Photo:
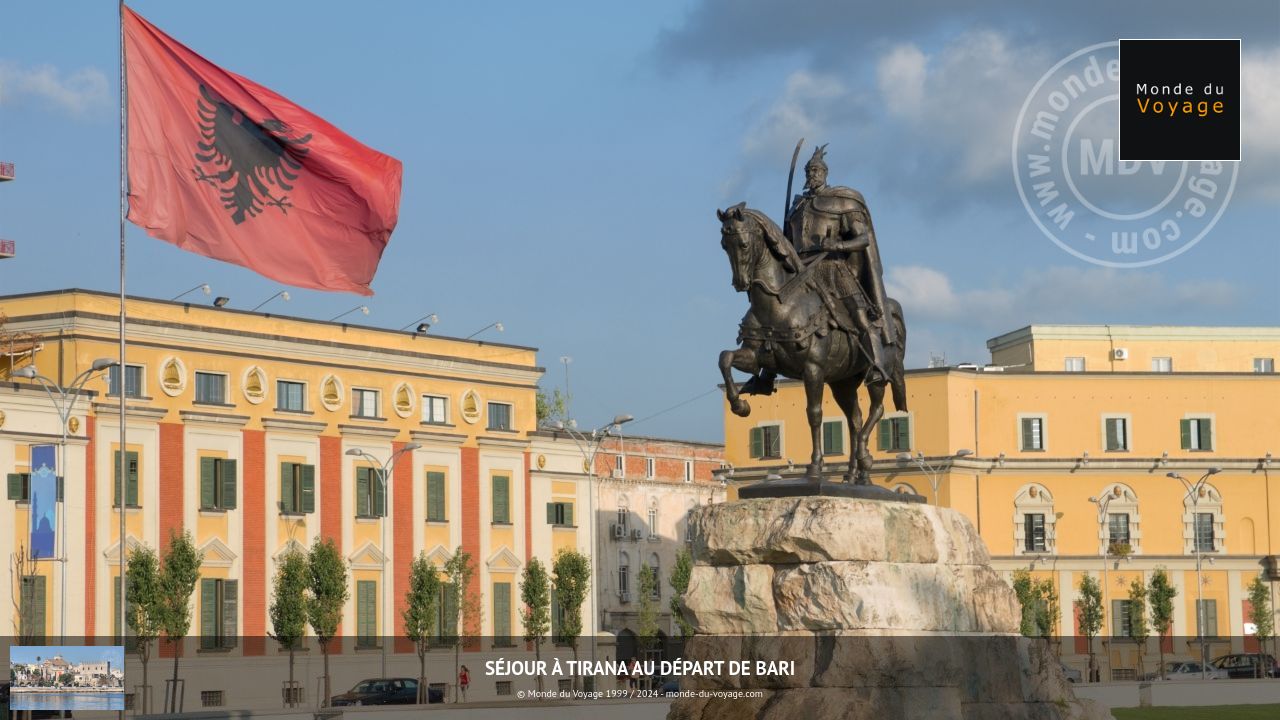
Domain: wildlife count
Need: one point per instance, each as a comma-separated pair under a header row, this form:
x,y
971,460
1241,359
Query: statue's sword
x,y
786,208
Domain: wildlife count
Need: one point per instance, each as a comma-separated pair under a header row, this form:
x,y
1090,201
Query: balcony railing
x,y
6,171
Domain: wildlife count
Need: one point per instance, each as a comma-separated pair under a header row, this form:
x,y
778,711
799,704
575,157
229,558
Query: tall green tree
x,y
571,577
420,611
464,610
1139,630
1160,594
288,609
681,571
1039,601
180,571
144,608
553,406
328,594
1090,606
535,593
1260,614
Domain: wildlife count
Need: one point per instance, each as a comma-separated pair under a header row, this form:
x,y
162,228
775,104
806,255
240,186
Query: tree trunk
x,y
1161,668
575,664
143,701
457,661
292,698
537,654
424,695
324,650
177,652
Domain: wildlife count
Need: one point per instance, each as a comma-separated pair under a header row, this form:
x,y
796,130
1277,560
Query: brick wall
x,y
172,479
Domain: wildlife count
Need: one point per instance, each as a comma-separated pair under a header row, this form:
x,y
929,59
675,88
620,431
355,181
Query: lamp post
x,y
1193,491
382,470
64,401
1102,504
283,295
589,460
495,325
934,474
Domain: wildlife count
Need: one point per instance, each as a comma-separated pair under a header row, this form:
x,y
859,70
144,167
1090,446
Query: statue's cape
x,y
839,200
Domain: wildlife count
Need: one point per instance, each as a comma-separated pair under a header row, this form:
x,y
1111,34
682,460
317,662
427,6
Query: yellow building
x,y
260,434
1059,463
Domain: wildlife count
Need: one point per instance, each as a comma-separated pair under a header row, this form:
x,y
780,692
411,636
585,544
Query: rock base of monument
x,y
835,607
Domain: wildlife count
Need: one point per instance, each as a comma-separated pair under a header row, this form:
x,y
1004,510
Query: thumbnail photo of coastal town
x,y
66,677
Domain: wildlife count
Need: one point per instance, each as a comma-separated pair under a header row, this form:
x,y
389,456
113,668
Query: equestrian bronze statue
x,y
818,314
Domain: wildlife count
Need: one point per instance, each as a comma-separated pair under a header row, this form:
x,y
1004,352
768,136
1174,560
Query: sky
x,y
73,654
563,162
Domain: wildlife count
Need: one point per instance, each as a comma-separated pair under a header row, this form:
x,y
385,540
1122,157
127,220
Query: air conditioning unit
x,y
636,534
619,531
619,474
624,596
1120,354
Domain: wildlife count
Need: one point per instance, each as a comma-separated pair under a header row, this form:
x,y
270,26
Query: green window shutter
x,y
230,614
901,433
362,492
208,613
555,615
450,610
286,488
1028,434
366,612
131,489
15,486
1113,434
501,498
435,496
1184,427
568,513
308,488
115,479
229,468
1206,433
208,483
62,485
502,613
757,442
378,486
31,609
832,438
883,439
551,513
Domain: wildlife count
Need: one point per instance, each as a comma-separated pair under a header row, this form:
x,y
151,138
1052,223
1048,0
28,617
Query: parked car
x,y
1187,670
1072,674
386,691
1245,665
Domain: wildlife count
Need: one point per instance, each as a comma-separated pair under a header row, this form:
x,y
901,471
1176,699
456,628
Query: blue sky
x,y
71,653
563,162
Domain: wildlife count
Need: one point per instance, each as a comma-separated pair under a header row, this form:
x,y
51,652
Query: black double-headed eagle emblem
x,y
246,159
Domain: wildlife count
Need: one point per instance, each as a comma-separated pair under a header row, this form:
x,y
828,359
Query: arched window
x,y
624,514
624,576
1034,521
656,564
653,518
1120,531
1202,522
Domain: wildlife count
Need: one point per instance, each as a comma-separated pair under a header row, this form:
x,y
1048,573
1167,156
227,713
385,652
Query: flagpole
x,y
121,374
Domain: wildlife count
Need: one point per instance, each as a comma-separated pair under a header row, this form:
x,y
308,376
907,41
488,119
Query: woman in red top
x,y
464,679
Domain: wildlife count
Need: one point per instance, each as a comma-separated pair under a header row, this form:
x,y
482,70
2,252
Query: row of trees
x,y
158,602
1150,610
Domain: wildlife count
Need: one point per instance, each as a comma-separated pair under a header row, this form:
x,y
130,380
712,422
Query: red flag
x,y
223,167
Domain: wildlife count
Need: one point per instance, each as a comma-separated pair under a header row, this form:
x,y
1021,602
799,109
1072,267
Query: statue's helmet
x,y
817,160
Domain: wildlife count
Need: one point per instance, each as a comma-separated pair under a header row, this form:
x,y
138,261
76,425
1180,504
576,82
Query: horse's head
x,y
739,236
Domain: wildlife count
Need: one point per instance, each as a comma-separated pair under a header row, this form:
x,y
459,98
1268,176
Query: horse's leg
x,y
875,392
745,360
813,387
846,395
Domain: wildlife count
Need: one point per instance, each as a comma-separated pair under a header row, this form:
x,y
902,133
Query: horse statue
x,y
793,330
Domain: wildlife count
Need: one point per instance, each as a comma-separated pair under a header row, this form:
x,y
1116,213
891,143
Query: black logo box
x,y
1187,68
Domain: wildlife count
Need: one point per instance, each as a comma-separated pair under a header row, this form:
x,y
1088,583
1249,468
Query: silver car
x,y
1189,670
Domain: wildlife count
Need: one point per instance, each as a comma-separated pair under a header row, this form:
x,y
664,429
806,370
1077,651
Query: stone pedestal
x,y
886,610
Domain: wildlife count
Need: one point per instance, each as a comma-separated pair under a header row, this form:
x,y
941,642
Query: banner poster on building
x,y
44,501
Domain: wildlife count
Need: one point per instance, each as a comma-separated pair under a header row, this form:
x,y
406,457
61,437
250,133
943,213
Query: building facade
x,y
1060,454
260,434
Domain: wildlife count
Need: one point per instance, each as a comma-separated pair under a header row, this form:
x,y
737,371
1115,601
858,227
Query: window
x,y
499,416
291,396
501,499
366,613
1205,541
1032,434
371,493
655,568
20,486
653,523
1120,618
217,484
895,434
833,437
560,513
447,615
1033,534
624,581
1162,364
211,698
435,409
131,485
502,614
435,497
649,468
218,613
1118,529
1074,364
211,388
32,609
502,687
1207,618
297,488
688,471
364,403
619,465
1264,365
132,380
1117,433
623,514
766,441
1196,433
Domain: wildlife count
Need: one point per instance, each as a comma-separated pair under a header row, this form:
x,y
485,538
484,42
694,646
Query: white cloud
x,y
76,93
1259,119
901,75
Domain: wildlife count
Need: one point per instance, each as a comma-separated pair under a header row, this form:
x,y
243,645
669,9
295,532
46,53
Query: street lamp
x,y
589,459
1102,504
934,474
382,470
283,295
360,308
202,286
64,401
495,325
1193,491
424,323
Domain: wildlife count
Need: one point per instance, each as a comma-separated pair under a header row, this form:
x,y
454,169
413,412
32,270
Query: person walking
x,y
464,680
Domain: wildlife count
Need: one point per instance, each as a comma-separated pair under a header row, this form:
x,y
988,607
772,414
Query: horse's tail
x,y
897,379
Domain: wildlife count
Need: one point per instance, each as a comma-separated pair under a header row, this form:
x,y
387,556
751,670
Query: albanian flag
x,y
223,167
